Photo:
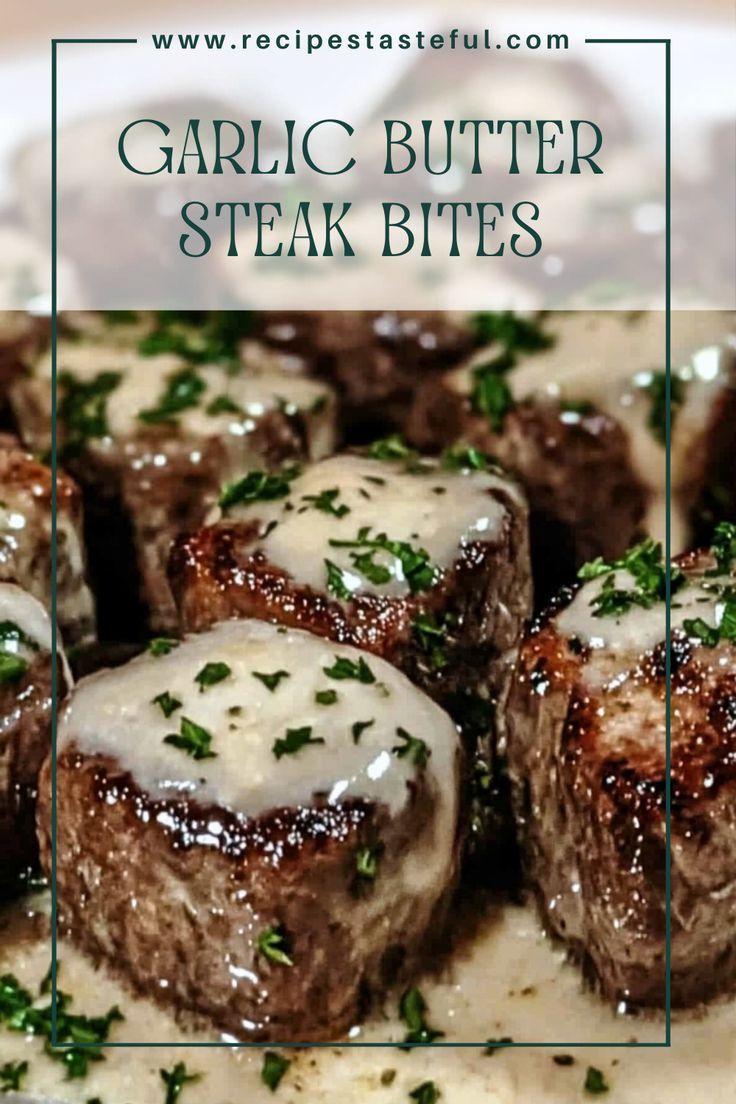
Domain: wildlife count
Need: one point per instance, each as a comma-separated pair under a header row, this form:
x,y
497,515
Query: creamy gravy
x,y
509,982
113,713
433,510
607,358
253,390
18,606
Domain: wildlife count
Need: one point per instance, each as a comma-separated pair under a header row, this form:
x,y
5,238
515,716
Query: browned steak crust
x,y
587,758
146,886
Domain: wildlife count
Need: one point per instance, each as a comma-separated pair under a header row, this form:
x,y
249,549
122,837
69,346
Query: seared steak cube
x,y
422,562
257,829
151,438
25,725
587,752
26,539
375,359
582,423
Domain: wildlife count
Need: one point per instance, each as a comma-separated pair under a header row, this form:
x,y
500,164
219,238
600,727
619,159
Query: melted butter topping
x,y
638,629
432,510
608,358
19,608
252,390
114,713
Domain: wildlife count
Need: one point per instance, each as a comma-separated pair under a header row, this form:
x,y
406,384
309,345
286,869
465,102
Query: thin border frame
x,y
667,1043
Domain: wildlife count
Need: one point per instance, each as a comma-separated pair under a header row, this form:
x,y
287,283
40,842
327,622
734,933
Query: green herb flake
x,y
391,448
273,1069
645,563
271,943
166,703
336,581
429,634
272,680
344,668
723,545
416,568
10,632
223,404
183,390
11,1076
258,486
491,395
513,331
595,1082
464,458
326,502
426,1093
211,674
12,667
359,728
294,741
412,748
413,1012
367,860
83,407
193,739
326,697
700,630
657,392
175,1081
162,646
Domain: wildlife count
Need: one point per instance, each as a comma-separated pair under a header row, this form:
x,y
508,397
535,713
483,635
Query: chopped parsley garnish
x,y
193,739
10,631
175,1080
344,668
326,501
430,636
183,390
272,680
359,728
223,404
657,391
12,667
595,1082
413,749
494,1045
513,331
272,943
464,458
491,395
644,562
211,674
258,486
11,1076
18,1013
413,1011
211,337
166,703
367,860
391,448
162,645
294,741
710,635
723,545
336,581
426,1093
416,568
326,697
273,1069
83,407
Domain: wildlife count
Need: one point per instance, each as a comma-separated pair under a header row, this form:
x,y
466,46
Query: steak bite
x,y
257,829
587,754
375,359
25,726
26,539
151,438
582,423
422,562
